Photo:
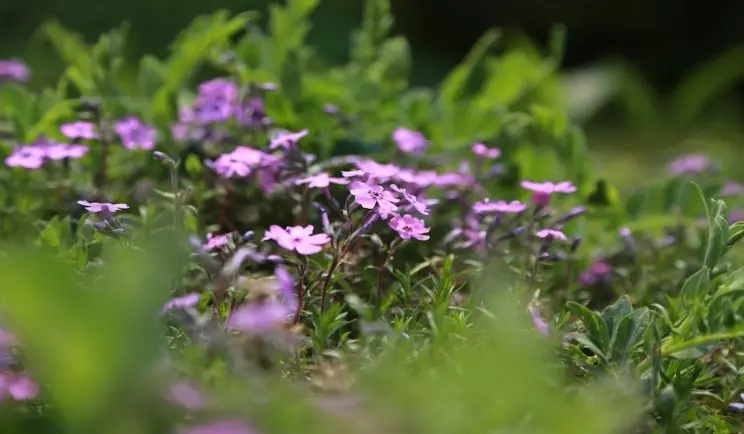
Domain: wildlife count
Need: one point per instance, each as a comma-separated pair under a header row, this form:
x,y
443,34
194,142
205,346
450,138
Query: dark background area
x,y
664,38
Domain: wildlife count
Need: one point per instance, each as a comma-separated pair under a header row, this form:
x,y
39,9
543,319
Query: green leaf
x,y
736,233
697,284
456,81
629,334
596,328
615,312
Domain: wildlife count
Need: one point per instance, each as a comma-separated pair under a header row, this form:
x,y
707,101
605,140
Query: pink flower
x,y
60,151
411,199
732,188
260,317
369,196
423,178
79,130
551,234
513,207
184,302
543,190
186,395
689,164
6,339
453,179
220,427
483,151
409,141
287,140
96,207
540,324
215,242
298,238
19,387
136,135
409,227
240,162
28,157
321,180
14,70
352,173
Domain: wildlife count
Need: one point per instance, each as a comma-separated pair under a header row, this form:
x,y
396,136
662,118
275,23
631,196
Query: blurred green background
x,y
647,79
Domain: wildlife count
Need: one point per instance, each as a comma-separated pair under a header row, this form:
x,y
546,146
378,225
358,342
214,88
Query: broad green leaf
x,y
615,312
596,328
629,334
696,285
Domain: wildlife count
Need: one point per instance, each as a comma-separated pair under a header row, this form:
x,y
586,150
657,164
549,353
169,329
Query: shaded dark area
x,y
665,38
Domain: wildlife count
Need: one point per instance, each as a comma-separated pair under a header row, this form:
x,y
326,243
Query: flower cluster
x,y
35,156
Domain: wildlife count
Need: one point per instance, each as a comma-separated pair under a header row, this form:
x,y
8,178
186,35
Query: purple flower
x,y
738,406
377,170
28,157
454,179
321,180
220,427
136,135
543,190
14,70
19,387
103,208
409,227
369,196
252,113
409,141
260,317
551,234
287,140
513,207
352,173
240,162
540,324
287,288
61,151
411,199
689,164
184,394
215,242
298,238
79,130
482,150
732,188
736,215
599,271
188,300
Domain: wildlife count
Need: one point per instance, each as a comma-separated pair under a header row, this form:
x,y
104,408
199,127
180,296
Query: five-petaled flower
x,y
551,234
411,199
321,180
28,157
409,141
136,135
409,227
368,196
102,208
543,190
513,207
482,150
79,130
297,238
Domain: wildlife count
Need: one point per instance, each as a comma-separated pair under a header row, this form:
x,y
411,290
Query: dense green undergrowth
x,y
237,239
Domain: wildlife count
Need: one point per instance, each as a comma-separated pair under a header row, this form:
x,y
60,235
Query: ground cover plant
x,y
240,239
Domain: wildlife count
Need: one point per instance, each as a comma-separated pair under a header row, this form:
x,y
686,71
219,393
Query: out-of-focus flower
x,y
738,406
186,301
543,190
321,180
184,394
19,387
298,238
97,207
136,135
217,101
252,113
369,196
540,324
482,150
689,164
409,141
454,179
599,272
286,140
79,130
409,227
215,242
260,316
736,215
220,427
286,286
14,70
28,157
377,170
513,207
411,199
6,339
352,173
241,162
732,188
551,234
61,151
